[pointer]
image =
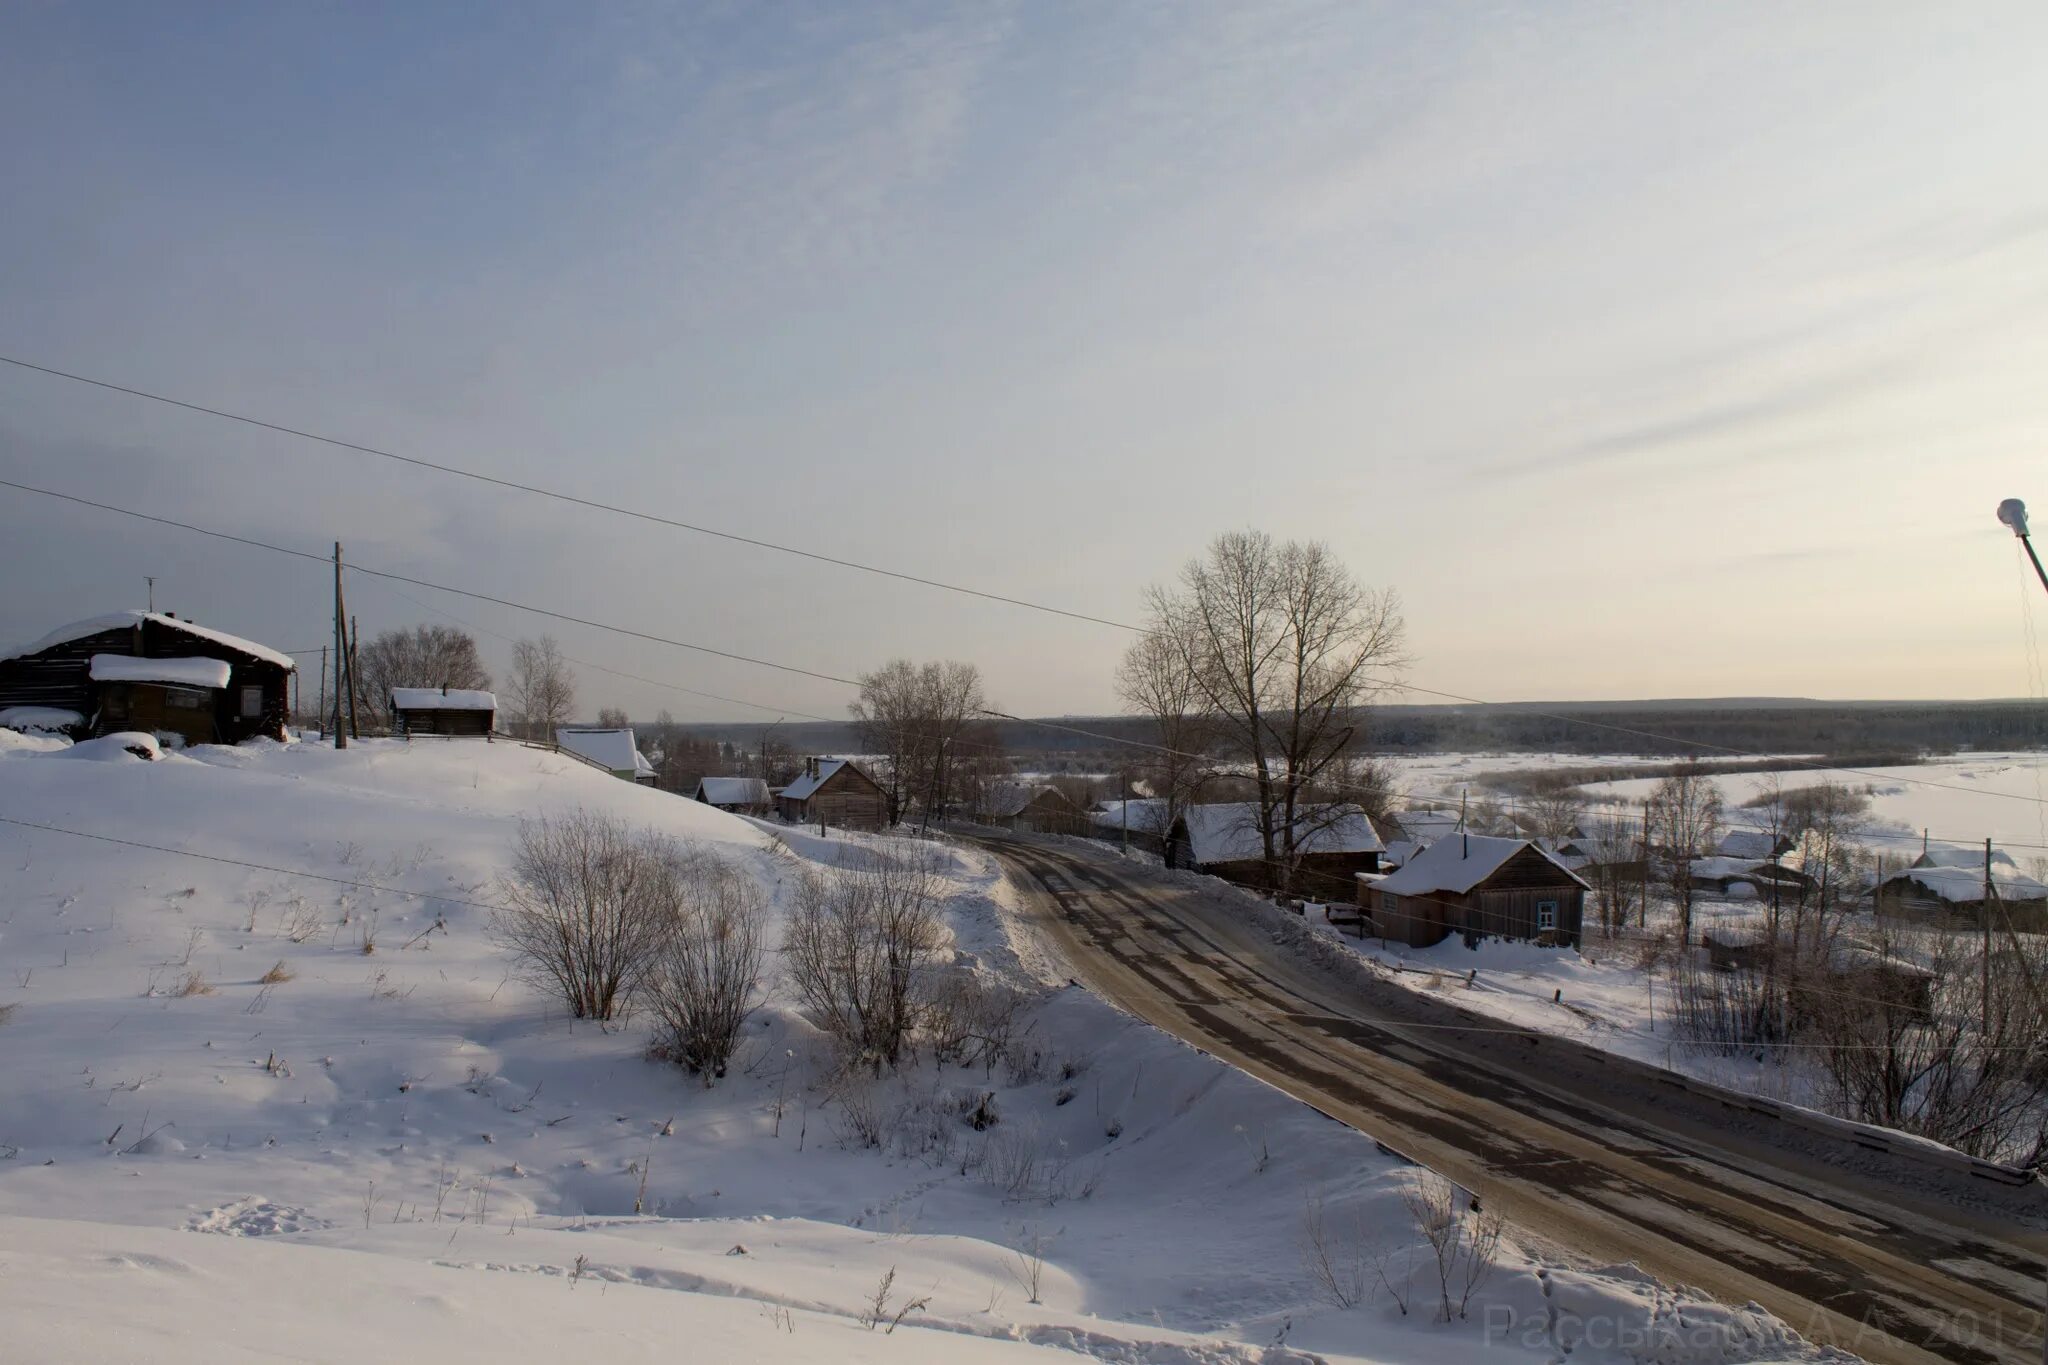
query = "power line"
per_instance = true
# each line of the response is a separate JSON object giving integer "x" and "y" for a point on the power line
{"x": 1001, "y": 715}
{"x": 440, "y": 587}
{"x": 559, "y": 496}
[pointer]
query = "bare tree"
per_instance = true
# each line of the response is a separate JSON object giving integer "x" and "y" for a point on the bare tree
{"x": 1684, "y": 816}
{"x": 543, "y": 689}
{"x": 921, "y": 722}
{"x": 703, "y": 981}
{"x": 861, "y": 945}
{"x": 425, "y": 656}
{"x": 1617, "y": 871}
{"x": 1156, "y": 678}
{"x": 612, "y": 718}
{"x": 1286, "y": 649}
{"x": 1555, "y": 804}
{"x": 587, "y": 904}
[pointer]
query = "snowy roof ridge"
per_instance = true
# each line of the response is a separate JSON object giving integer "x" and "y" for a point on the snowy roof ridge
{"x": 732, "y": 791}
{"x": 443, "y": 699}
{"x": 1228, "y": 831}
{"x": 1458, "y": 862}
{"x": 608, "y": 746}
{"x": 94, "y": 625}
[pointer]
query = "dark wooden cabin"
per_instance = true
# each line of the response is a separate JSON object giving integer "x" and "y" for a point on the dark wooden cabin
{"x": 1478, "y": 885}
{"x": 447, "y": 711}
{"x": 150, "y": 671}
{"x": 834, "y": 792}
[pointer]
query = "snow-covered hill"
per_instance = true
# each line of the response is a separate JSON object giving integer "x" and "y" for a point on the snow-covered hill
{"x": 437, "y": 1161}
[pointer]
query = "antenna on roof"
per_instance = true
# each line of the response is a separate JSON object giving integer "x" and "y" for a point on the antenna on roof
{"x": 152, "y": 592}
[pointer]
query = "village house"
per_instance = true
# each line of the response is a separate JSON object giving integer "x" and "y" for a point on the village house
{"x": 1478, "y": 885}
{"x": 736, "y": 795}
{"x": 1334, "y": 842}
{"x": 1040, "y": 808}
{"x": 1744, "y": 877}
{"x": 1424, "y": 827}
{"x": 612, "y": 748}
{"x": 834, "y": 792}
{"x": 1143, "y": 819}
{"x": 150, "y": 672}
{"x": 445, "y": 711}
{"x": 1936, "y": 892}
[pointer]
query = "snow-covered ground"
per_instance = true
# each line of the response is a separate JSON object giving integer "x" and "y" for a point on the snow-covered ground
{"x": 1963, "y": 799}
{"x": 394, "y": 1148}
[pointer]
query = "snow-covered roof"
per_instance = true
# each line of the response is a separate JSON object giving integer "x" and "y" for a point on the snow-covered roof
{"x": 1963, "y": 886}
{"x": 122, "y": 620}
{"x": 1399, "y": 851}
{"x": 1459, "y": 862}
{"x": 1228, "y": 832}
{"x": 1147, "y": 816}
{"x": 732, "y": 791}
{"x": 1716, "y": 867}
{"x": 1963, "y": 855}
{"x": 177, "y": 672}
{"x": 805, "y": 784}
{"x": 1754, "y": 844}
{"x": 442, "y": 699}
{"x": 608, "y": 748}
{"x": 1427, "y": 826}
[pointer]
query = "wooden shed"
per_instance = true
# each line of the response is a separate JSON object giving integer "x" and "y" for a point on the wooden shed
{"x": 447, "y": 711}
{"x": 1041, "y": 808}
{"x": 834, "y": 792}
{"x": 1478, "y": 885}
{"x": 611, "y": 747}
{"x": 1936, "y": 893}
{"x": 152, "y": 672}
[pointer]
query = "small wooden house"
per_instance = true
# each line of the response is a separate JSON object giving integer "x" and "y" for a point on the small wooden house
{"x": 738, "y": 795}
{"x": 612, "y": 748}
{"x": 149, "y": 672}
{"x": 447, "y": 711}
{"x": 1752, "y": 845}
{"x": 1333, "y": 844}
{"x": 1042, "y": 809}
{"x": 834, "y": 792}
{"x": 1478, "y": 885}
{"x": 1743, "y": 877}
{"x": 1142, "y": 820}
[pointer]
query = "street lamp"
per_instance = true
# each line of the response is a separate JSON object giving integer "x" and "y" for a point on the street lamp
{"x": 2012, "y": 512}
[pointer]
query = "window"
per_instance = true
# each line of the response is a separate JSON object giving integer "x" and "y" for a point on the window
{"x": 252, "y": 703}
{"x": 1390, "y": 903}
{"x": 1546, "y": 916}
{"x": 186, "y": 699}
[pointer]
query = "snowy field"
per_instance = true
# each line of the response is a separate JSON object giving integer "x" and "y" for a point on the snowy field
{"x": 1963, "y": 799}
{"x": 392, "y": 1147}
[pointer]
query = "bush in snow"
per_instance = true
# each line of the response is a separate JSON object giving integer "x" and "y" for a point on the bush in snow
{"x": 589, "y": 905}
{"x": 861, "y": 945}
{"x": 703, "y": 981}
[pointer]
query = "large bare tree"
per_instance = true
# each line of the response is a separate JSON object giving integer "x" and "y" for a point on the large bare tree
{"x": 924, "y": 724}
{"x": 1684, "y": 816}
{"x": 1156, "y": 678}
{"x": 1286, "y": 649}
{"x": 543, "y": 689}
{"x": 425, "y": 656}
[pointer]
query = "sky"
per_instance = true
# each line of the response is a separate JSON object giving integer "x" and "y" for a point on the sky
{"x": 1645, "y": 351}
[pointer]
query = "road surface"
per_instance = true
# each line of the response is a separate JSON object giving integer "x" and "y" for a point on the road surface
{"x": 1892, "y": 1264}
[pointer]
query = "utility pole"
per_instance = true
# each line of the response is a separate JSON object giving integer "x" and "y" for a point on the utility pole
{"x": 1126, "y": 807}
{"x": 321, "y": 715}
{"x": 1990, "y": 891}
{"x": 340, "y": 653}
{"x": 152, "y": 593}
{"x": 355, "y": 731}
{"x": 2013, "y": 513}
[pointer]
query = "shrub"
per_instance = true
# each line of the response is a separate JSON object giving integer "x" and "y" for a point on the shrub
{"x": 277, "y": 974}
{"x": 589, "y": 905}
{"x": 702, "y": 983}
{"x": 861, "y": 946}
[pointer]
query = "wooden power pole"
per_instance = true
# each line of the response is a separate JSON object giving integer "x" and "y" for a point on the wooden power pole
{"x": 340, "y": 654}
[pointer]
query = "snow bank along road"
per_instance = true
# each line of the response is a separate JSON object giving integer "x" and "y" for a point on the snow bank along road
{"x": 1856, "y": 1250}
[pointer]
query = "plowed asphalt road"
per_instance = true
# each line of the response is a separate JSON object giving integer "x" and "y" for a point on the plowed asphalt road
{"x": 1856, "y": 1250}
